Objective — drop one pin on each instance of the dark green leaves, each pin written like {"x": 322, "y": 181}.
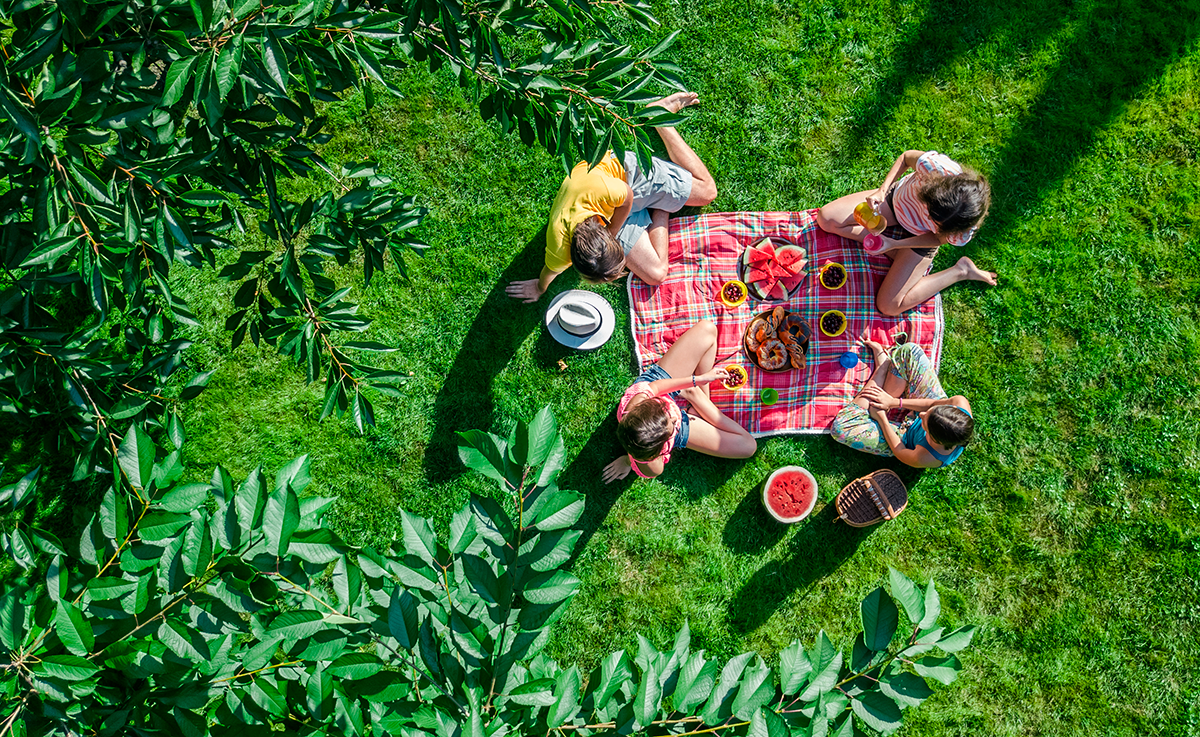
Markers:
{"x": 74, "y": 631}
{"x": 136, "y": 457}
{"x": 879, "y": 619}
{"x": 280, "y": 519}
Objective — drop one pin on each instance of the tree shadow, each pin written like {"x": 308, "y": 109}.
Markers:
{"x": 501, "y": 325}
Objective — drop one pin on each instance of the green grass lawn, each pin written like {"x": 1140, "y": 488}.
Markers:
{"x": 1068, "y": 531}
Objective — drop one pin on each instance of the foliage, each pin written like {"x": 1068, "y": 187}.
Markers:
{"x": 230, "y": 608}
{"x": 137, "y": 136}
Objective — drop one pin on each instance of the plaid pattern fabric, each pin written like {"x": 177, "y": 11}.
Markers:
{"x": 704, "y": 253}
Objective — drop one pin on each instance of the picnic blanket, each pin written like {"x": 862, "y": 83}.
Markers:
{"x": 704, "y": 251}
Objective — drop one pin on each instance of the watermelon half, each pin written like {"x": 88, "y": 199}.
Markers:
{"x": 789, "y": 494}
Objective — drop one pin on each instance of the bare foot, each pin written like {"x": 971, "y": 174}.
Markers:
{"x": 677, "y": 101}
{"x": 969, "y": 270}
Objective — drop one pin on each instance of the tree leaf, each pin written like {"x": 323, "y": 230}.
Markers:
{"x": 355, "y": 666}
{"x": 550, "y": 588}
{"x": 566, "y": 697}
{"x": 462, "y": 530}
{"x": 562, "y": 509}
{"x": 766, "y": 723}
{"x": 697, "y": 677}
{"x": 951, "y": 643}
{"x": 718, "y": 705}
{"x": 50, "y": 251}
{"x": 615, "y": 671}
{"x": 756, "y": 689}
{"x": 114, "y": 516}
{"x": 905, "y": 688}
{"x": 105, "y": 588}
{"x": 21, "y": 493}
{"x": 296, "y": 474}
{"x": 74, "y": 631}
{"x": 879, "y": 619}
{"x": 197, "y": 544}
{"x": 178, "y": 77}
{"x": 419, "y": 537}
{"x": 826, "y": 661}
{"x": 68, "y": 667}
{"x": 229, "y": 64}
{"x": 280, "y": 519}
{"x": 160, "y": 525}
{"x": 933, "y": 607}
{"x": 292, "y": 626}
{"x": 538, "y": 692}
{"x": 185, "y": 498}
{"x": 943, "y": 670}
{"x": 481, "y": 452}
{"x": 403, "y": 618}
{"x": 22, "y": 549}
{"x": 877, "y": 711}
{"x": 909, "y": 596}
{"x": 542, "y": 431}
{"x": 275, "y": 61}
{"x": 183, "y": 641}
{"x": 793, "y": 668}
{"x": 645, "y": 702}
{"x": 136, "y": 457}
{"x": 482, "y": 578}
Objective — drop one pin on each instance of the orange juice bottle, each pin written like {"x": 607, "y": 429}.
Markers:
{"x": 868, "y": 218}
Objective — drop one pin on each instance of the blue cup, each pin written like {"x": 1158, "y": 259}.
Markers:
{"x": 849, "y": 360}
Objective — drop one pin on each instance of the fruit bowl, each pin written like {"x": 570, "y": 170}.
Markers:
{"x": 832, "y": 323}
{"x": 789, "y": 494}
{"x": 800, "y": 337}
{"x": 737, "y": 377}
{"x": 733, "y": 293}
{"x": 772, "y": 269}
{"x": 833, "y": 275}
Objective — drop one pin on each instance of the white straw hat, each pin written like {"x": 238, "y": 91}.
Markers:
{"x": 580, "y": 319}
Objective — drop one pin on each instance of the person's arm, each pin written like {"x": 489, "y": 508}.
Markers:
{"x": 879, "y": 399}
{"x": 530, "y": 290}
{"x": 674, "y": 384}
{"x": 621, "y": 212}
{"x": 904, "y": 162}
{"x": 917, "y": 457}
{"x": 621, "y": 467}
{"x": 704, "y": 408}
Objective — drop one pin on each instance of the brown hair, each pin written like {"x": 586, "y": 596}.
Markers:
{"x": 957, "y": 203}
{"x": 644, "y": 430}
{"x": 949, "y": 425}
{"x": 595, "y": 253}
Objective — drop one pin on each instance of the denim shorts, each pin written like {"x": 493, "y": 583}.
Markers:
{"x": 654, "y": 372}
{"x": 667, "y": 186}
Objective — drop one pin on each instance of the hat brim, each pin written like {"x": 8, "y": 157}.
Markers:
{"x": 608, "y": 321}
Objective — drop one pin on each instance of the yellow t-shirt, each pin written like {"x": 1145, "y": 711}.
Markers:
{"x": 583, "y": 194}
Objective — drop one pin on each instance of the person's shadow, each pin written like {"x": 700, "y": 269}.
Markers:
{"x": 501, "y": 325}
{"x": 820, "y": 546}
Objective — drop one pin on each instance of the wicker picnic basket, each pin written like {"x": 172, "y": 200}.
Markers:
{"x": 871, "y": 499}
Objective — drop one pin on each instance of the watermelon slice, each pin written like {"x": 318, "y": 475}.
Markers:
{"x": 791, "y": 282}
{"x": 777, "y": 292}
{"x": 754, "y": 274}
{"x": 788, "y": 255}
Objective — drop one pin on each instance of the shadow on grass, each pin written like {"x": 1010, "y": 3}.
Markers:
{"x": 819, "y": 548}
{"x": 501, "y": 324}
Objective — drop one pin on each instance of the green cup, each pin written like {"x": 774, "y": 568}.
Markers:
{"x": 769, "y": 396}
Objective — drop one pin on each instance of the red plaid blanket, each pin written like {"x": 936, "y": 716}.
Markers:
{"x": 704, "y": 251}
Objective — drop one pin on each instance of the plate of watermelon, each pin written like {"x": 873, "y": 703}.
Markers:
{"x": 773, "y": 269}
{"x": 789, "y": 494}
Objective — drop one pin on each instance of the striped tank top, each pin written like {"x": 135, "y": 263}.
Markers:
{"x": 911, "y": 213}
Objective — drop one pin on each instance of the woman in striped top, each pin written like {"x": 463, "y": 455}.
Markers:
{"x": 938, "y": 202}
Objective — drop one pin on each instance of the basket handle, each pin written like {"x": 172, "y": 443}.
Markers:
{"x": 881, "y": 500}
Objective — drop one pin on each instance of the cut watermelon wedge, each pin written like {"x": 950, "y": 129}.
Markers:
{"x": 756, "y": 274}
{"x": 777, "y": 292}
{"x": 791, "y": 282}
{"x": 789, "y": 255}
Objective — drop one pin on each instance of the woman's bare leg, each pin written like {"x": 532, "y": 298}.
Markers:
{"x": 837, "y": 217}
{"x": 694, "y": 352}
{"x": 648, "y": 257}
{"x": 704, "y": 187}
{"x": 907, "y": 286}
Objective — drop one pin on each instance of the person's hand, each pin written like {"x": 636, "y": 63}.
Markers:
{"x": 878, "y": 399}
{"x": 876, "y": 199}
{"x": 618, "y": 469}
{"x": 526, "y": 290}
{"x": 717, "y": 374}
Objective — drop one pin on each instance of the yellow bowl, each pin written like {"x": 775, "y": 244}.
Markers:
{"x": 741, "y": 287}
{"x": 839, "y": 331}
{"x": 845, "y": 275}
{"x": 735, "y": 368}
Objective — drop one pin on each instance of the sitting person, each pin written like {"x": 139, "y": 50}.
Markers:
{"x": 939, "y": 202}
{"x": 651, "y": 426}
{"x": 600, "y": 217}
{"x": 935, "y": 436}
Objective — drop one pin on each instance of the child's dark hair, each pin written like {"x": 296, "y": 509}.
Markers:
{"x": 595, "y": 253}
{"x": 957, "y": 203}
{"x": 949, "y": 425}
{"x": 644, "y": 430}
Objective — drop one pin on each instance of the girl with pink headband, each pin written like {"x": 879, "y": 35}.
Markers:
{"x": 651, "y": 426}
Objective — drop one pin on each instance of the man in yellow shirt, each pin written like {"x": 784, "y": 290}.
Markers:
{"x": 614, "y": 217}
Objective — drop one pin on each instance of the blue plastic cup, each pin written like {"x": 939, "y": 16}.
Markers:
{"x": 849, "y": 360}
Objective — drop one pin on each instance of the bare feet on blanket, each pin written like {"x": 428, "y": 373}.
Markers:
{"x": 677, "y": 101}
{"x": 969, "y": 270}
